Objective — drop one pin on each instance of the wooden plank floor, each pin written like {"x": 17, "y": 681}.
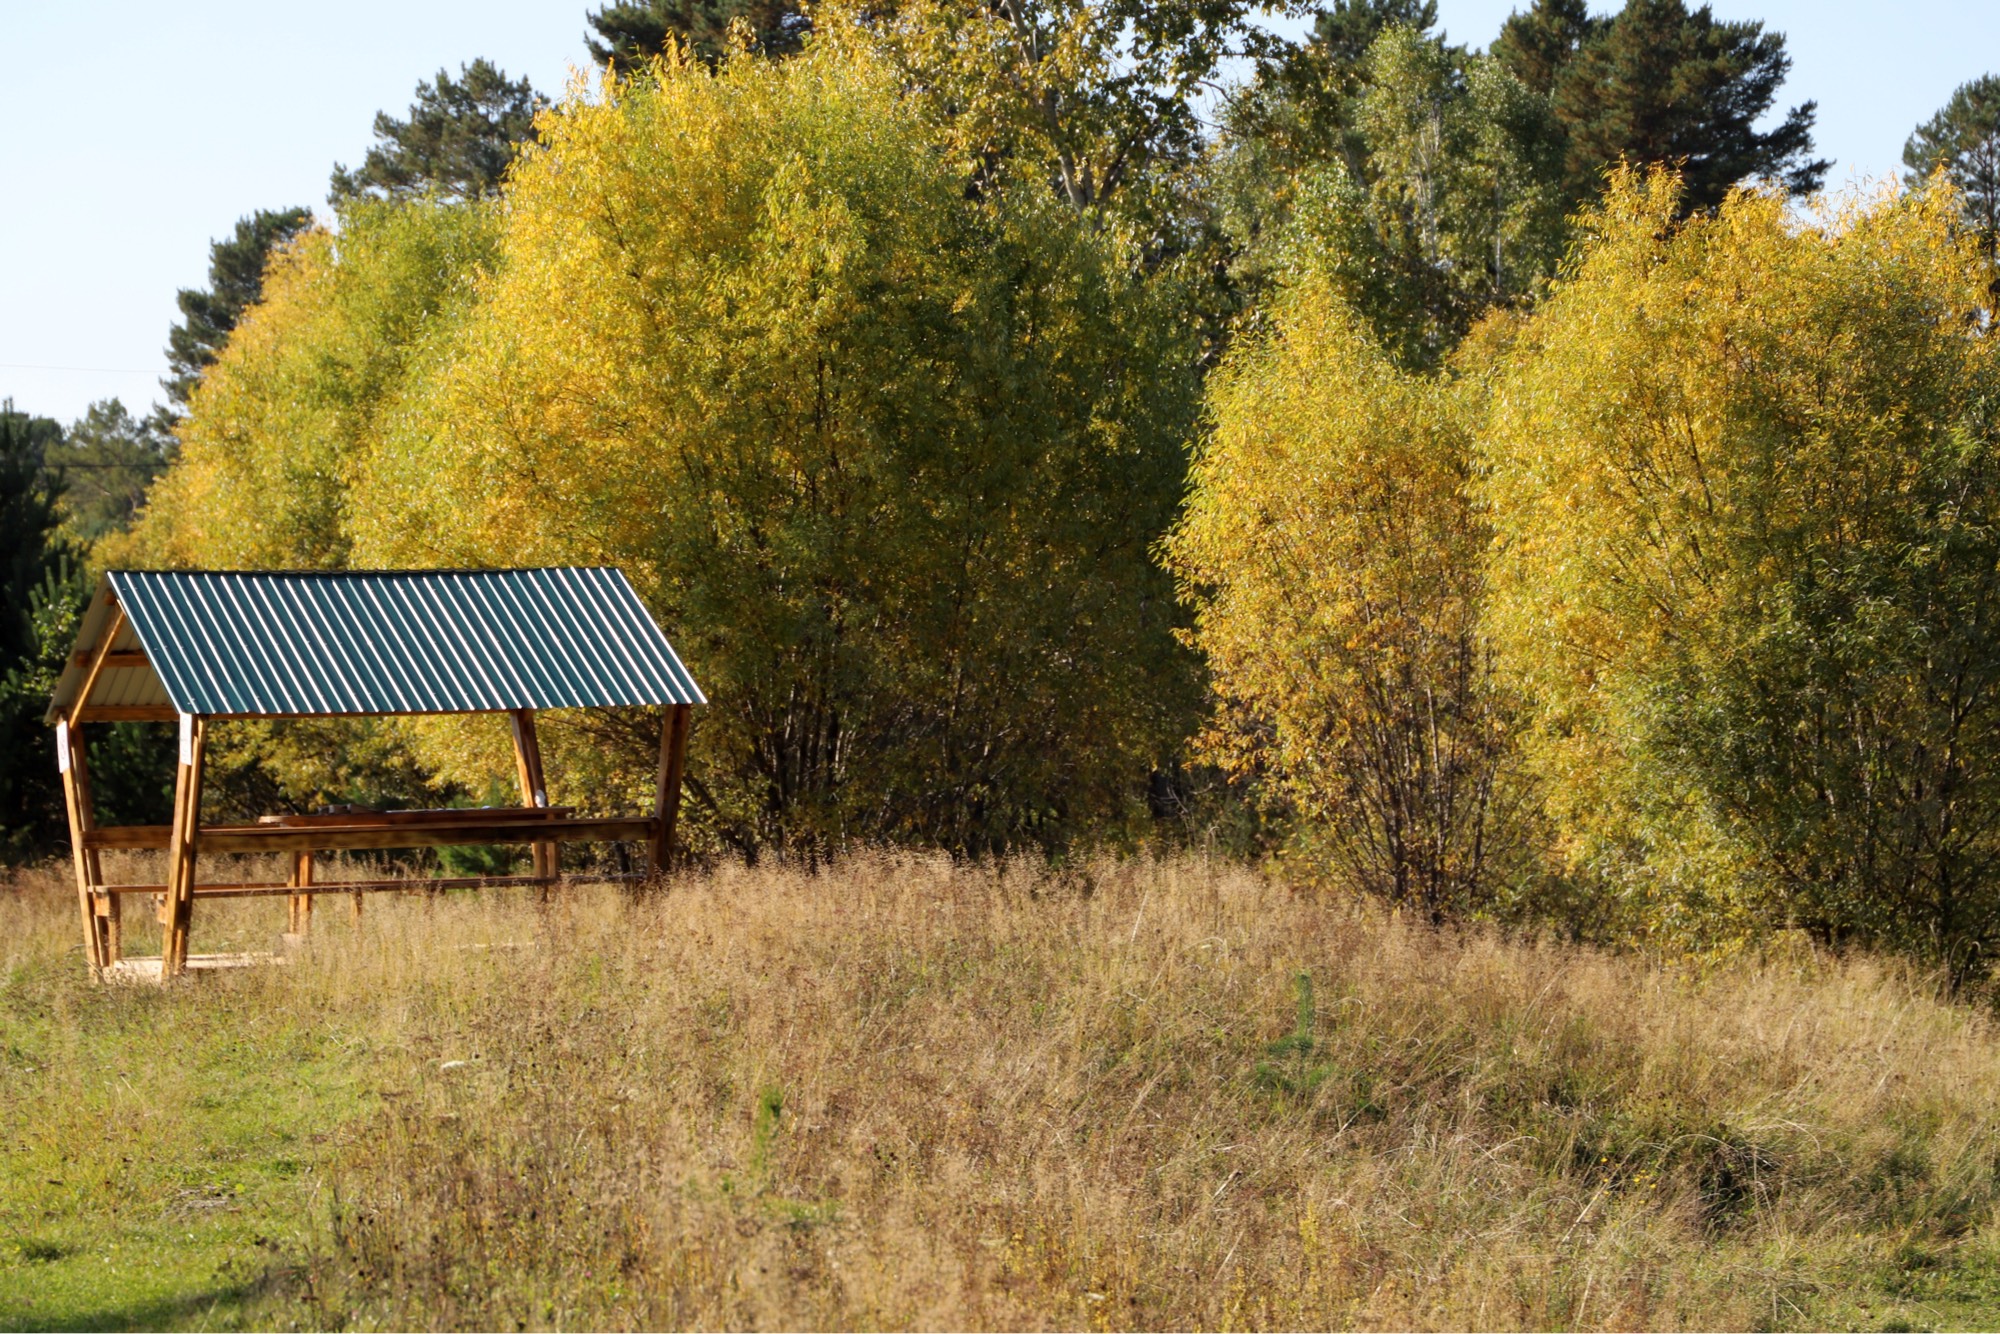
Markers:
{"x": 148, "y": 970}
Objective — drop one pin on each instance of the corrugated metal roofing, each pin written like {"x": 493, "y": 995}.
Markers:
{"x": 383, "y": 641}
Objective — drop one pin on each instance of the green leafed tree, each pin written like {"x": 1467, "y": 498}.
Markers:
{"x": 1299, "y": 100}
{"x": 457, "y": 142}
{"x": 235, "y": 281}
{"x": 1963, "y": 140}
{"x": 1538, "y": 43}
{"x": 1096, "y": 99}
{"x": 627, "y": 33}
{"x": 108, "y": 458}
{"x": 35, "y": 575}
{"x": 1442, "y": 202}
{"x": 1657, "y": 83}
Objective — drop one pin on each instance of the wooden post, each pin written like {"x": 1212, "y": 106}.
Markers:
{"x": 99, "y": 943}
{"x": 534, "y": 791}
{"x": 667, "y": 801}
{"x": 183, "y": 841}
{"x": 76, "y": 804}
{"x": 109, "y": 919}
{"x": 301, "y": 904}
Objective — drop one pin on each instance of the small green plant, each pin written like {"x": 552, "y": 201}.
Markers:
{"x": 1289, "y": 1067}
{"x": 764, "y": 1129}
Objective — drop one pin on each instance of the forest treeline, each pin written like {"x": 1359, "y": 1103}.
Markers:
{"x": 1489, "y": 478}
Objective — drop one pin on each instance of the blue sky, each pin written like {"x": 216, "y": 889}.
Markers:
{"x": 140, "y": 131}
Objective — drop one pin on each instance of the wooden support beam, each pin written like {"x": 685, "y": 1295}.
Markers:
{"x": 127, "y": 713}
{"x": 534, "y": 789}
{"x": 411, "y": 884}
{"x": 109, "y": 924}
{"x": 386, "y": 819}
{"x": 667, "y": 798}
{"x": 113, "y": 661}
{"x": 99, "y": 659}
{"x": 129, "y": 837}
{"x": 300, "y": 905}
{"x": 99, "y": 949}
{"x": 69, "y": 749}
{"x": 283, "y": 838}
{"x": 183, "y": 846}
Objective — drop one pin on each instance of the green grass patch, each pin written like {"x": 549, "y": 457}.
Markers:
{"x": 161, "y": 1149}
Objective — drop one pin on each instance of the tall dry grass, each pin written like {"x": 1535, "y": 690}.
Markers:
{"x": 1149, "y": 1093}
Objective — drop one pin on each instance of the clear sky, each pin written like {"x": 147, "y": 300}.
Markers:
{"x": 142, "y": 130}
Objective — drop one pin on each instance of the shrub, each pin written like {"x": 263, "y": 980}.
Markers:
{"x": 1332, "y": 554}
{"x": 1743, "y": 478}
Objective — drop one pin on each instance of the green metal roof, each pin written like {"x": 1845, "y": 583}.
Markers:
{"x": 380, "y": 641}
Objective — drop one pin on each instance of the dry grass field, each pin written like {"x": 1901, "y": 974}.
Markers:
{"x": 907, "y": 1093}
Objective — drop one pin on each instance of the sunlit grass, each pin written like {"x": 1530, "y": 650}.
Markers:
{"x": 907, "y": 1093}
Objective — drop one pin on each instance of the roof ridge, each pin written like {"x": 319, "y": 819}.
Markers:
{"x": 336, "y": 574}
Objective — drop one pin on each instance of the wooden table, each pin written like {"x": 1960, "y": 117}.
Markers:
{"x": 545, "y": 828}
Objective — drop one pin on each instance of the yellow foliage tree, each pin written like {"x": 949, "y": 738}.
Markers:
{"x": 1332, "y": 554}
{"x": 1744, "y": 477}
{"x": 275, "y": 427}
{"x": 886, "y": 463}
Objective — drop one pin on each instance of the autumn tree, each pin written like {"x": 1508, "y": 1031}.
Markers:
{"x": 1333, "y": 556}
{"x": 886, "y": 462}
{"x": 1745, "y": 483}
{"x": 272, "y": 436}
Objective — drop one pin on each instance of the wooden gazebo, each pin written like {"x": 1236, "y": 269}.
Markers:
{"x": 197, "y": 647}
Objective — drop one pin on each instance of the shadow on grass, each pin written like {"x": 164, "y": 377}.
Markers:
{"x": 209, "y": 1308}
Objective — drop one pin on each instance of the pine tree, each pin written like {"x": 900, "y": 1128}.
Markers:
{"x": 1964, "y": 139}
{"x": 631, "y": 32}
{"x": 1535, "y": 46}
{"x": 236, "y": 280}
{"x": 458, "y": 141}
{"x": 1661, "y": 84}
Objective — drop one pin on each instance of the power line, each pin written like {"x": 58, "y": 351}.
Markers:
{"x": 93, "y": 370}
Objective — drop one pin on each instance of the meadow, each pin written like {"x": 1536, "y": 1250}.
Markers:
{"x": 911, "y": 1092}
